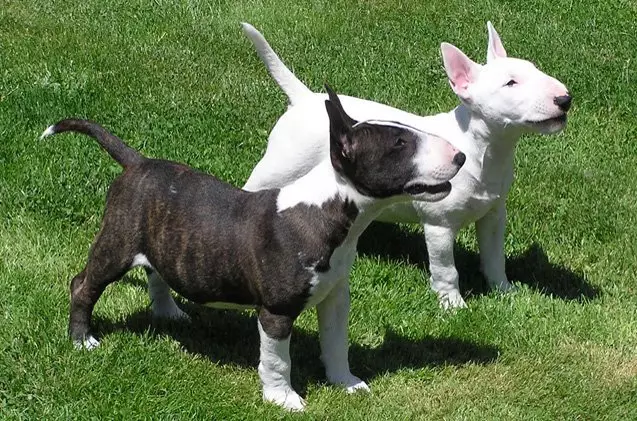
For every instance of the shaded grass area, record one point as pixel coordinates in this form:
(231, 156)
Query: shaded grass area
(178, 80)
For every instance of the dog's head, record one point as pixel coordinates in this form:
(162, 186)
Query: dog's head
(508, 92)
(383, 159)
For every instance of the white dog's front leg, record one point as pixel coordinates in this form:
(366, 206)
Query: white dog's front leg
(161, 301)
(444, 275)
(491, 230)
(333, 319)
(274, 371)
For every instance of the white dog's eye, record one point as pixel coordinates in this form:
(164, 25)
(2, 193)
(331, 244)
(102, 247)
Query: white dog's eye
(511, 83)
(400, 142)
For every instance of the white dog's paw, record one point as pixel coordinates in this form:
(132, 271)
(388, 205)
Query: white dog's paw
(87, 343)
(350, 382)
(450, 300)
(284, 397)
(170, 312)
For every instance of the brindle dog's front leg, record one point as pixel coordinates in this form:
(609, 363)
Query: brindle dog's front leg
(274, 360)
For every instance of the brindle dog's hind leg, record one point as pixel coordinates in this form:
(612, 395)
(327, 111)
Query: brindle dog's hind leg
(109, 259)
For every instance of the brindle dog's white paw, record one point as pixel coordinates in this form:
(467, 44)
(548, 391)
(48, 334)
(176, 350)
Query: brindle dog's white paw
(350, 382)
(357, 385)
(451, 300)
(87, 343)
(284, 397)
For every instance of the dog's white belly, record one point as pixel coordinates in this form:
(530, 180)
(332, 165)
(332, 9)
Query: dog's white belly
(322, 283)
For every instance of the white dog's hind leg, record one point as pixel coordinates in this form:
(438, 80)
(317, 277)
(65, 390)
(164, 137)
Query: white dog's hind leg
(274, 371)
(333, 319)
(491, 231)
(444, 275)
(162, 302)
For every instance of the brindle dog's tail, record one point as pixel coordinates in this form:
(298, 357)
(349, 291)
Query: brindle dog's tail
(116, 148)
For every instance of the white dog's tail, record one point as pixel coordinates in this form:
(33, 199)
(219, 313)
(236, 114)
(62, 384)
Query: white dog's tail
(291, 85)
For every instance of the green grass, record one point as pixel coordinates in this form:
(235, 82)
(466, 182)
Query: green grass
(178, 80)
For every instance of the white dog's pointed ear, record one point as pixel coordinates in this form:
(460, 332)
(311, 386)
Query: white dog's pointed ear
(461, 70)
(495, 48)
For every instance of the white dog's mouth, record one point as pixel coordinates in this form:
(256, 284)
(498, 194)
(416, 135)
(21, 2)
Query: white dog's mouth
(550, 125)
(428, 192)
(558, 119)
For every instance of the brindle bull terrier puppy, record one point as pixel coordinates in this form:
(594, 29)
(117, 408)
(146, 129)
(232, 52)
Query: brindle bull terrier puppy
(279, 251)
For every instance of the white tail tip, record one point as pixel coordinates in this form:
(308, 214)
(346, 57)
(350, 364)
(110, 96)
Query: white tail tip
(250, 30)
(48, 132)
(247, 27)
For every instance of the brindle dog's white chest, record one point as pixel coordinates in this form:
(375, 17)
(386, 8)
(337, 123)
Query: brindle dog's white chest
(322, 283)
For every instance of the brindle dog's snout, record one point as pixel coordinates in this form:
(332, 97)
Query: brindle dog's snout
(459, 159)
(563, 102)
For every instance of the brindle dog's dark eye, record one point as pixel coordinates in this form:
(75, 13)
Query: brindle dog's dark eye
(511, 83)
(400, 142)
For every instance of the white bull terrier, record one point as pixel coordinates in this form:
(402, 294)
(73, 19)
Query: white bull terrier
(500, 101)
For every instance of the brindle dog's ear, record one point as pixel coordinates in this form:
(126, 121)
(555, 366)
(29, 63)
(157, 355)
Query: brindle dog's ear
(337, 103)
(340, 130)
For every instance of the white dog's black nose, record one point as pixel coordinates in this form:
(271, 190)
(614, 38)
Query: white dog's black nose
(459, 159)
(563, 102)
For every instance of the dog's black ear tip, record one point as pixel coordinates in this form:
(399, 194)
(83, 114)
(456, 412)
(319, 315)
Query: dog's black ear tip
(331, 109)
(330, 92)
(335, 109)
(328, 103)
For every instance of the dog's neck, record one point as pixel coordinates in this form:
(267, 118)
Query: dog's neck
(323, 184)
(490, 147)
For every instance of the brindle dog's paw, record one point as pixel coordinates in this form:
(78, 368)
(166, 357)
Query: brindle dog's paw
(88, 343)
(451, 300)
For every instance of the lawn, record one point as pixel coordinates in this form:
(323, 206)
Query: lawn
(178, 80)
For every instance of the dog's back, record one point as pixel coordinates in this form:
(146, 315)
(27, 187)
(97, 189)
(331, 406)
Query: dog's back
(191, 227)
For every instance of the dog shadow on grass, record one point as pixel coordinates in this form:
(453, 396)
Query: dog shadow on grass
(231, 337)
(533, 268)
